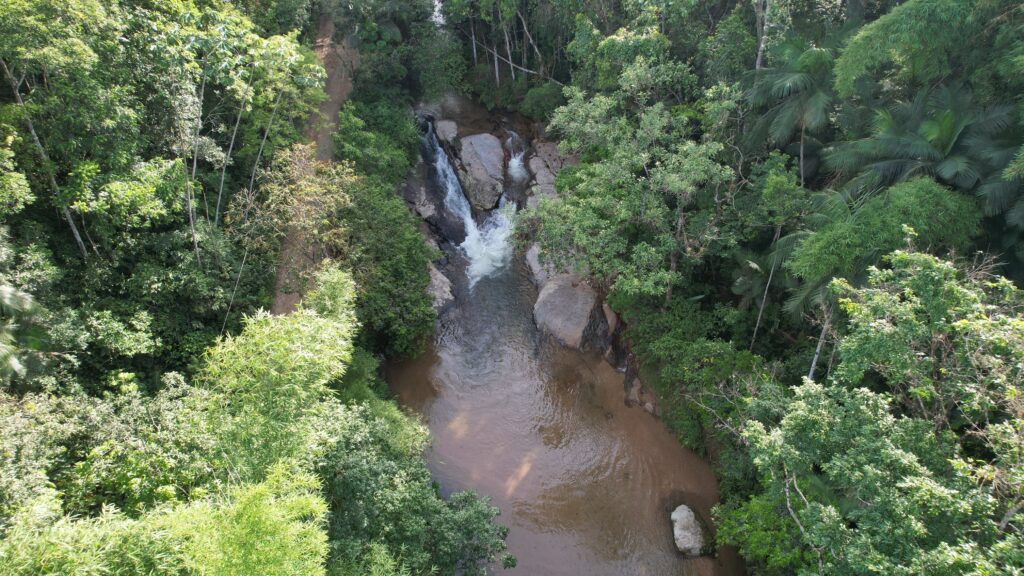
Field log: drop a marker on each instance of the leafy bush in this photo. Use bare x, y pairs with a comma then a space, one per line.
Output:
540, 101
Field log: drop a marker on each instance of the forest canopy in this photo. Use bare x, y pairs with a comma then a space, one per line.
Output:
809, 214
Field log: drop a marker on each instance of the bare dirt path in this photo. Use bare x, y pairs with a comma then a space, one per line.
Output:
340, 61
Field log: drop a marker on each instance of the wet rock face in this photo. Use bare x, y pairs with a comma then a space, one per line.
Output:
482, 170
687, 531
568, 310
427, 202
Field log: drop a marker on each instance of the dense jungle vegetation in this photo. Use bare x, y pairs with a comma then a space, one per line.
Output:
810, 214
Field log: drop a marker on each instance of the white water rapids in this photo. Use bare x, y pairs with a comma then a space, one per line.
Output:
487, 247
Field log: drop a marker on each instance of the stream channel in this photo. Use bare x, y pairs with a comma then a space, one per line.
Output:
584, 483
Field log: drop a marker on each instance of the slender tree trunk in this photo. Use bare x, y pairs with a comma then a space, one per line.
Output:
762, 43
234, 291
529, 38
497, 76
195, 163
263, 141
231, 145
673, 259
801, 156
54, 188
821, 343
508, 52
472, 31
768, 284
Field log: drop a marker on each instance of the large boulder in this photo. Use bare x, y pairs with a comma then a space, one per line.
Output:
539, 273
687, 531
440, 289
482, 174
568, 309
447, 131
545, 164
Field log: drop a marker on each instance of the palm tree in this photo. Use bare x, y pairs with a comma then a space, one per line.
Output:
941, 133
797, 97
16, 310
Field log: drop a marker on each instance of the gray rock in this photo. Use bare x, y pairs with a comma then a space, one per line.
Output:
539, 273
440, 289
482, 173
611, 318
545, 164
447, 131
687, 531
567, 308
428, 203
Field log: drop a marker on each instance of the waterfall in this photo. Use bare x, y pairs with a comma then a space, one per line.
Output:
487, 247
517, 170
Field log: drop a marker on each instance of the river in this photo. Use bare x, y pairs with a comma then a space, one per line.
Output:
585, 483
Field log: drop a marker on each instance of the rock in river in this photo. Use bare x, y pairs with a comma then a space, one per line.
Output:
568, 310
440, 289
483, 174
687, 531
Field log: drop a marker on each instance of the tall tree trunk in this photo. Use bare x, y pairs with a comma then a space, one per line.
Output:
821, 342
231, 145
234, 291
508, 52
54, 188
529, 38
762, 43
195, 163
768, 284
673, 259
263, 141
497, 76
801, 156
472, 31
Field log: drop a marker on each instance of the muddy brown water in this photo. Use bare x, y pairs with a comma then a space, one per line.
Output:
585, 483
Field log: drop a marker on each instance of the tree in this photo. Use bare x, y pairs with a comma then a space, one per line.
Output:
941, 133
797, 95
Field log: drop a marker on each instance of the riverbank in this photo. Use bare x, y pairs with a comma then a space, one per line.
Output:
585, 476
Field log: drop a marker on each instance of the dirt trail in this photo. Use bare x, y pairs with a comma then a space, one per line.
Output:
340, 62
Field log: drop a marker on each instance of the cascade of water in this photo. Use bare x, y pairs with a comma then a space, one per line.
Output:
488, 248
517, 170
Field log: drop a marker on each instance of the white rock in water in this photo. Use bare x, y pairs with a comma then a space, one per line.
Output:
687, 531
440, 288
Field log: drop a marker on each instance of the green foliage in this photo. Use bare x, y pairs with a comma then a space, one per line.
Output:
381, 243
273, 528
869, 492
388, 258
915, 36
15, 193
382, 493
268, 379
541, 101
727, 54
380, 139
939, 217
269, 528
